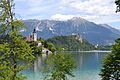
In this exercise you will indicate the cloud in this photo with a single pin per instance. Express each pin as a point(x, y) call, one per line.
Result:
point(61, 17)
point(100, 7)
point(92, 18)
point(99, 11)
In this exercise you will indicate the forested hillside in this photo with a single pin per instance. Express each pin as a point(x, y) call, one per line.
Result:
point(71, 43)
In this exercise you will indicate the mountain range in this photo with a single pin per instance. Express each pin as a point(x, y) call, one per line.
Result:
point(101, 34)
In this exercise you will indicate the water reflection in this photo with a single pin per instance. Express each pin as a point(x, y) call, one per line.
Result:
point(88, 66)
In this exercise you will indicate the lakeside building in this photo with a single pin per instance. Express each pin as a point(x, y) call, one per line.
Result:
point(33, 38)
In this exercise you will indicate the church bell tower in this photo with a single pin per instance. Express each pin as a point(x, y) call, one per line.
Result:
point(34, 35)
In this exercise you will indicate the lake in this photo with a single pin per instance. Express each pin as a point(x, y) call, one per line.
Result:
point(88, 66)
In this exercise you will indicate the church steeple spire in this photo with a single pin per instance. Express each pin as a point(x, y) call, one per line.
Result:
point(34, 31)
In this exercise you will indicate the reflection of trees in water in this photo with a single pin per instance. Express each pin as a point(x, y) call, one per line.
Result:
point(97, 56)
point(83, 61)
point(88, 60)
point(39, 63)
point(79, 59)
point(87, 64)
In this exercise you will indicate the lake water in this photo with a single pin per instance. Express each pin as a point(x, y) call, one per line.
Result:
point(88, 67)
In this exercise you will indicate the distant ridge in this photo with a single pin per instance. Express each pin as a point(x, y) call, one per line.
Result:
point(101, 34)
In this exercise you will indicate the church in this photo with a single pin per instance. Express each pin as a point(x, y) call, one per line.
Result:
point(32, 37)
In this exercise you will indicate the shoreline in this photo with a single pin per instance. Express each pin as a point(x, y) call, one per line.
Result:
point(100, 51)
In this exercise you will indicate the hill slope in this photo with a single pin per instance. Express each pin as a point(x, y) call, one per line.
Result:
point(71, 43)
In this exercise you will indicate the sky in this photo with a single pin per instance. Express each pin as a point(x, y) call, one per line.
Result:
point(98, 11)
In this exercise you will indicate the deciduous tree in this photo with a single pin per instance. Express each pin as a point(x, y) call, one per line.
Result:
point(60, 66)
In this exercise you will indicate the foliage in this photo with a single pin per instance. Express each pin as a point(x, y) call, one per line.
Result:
point(117, 2)
point(41, 40)
point(38, 49)
point(60, 66)
point(15, 53)
point(48, 45)
point(14, 58)
point(105, 47)
point(111, 64)
point(35, 48)
point(70, 43)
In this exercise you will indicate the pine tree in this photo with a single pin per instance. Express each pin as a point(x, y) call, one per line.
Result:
point(117, 2)
point(15, 54)
point(111, 65)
